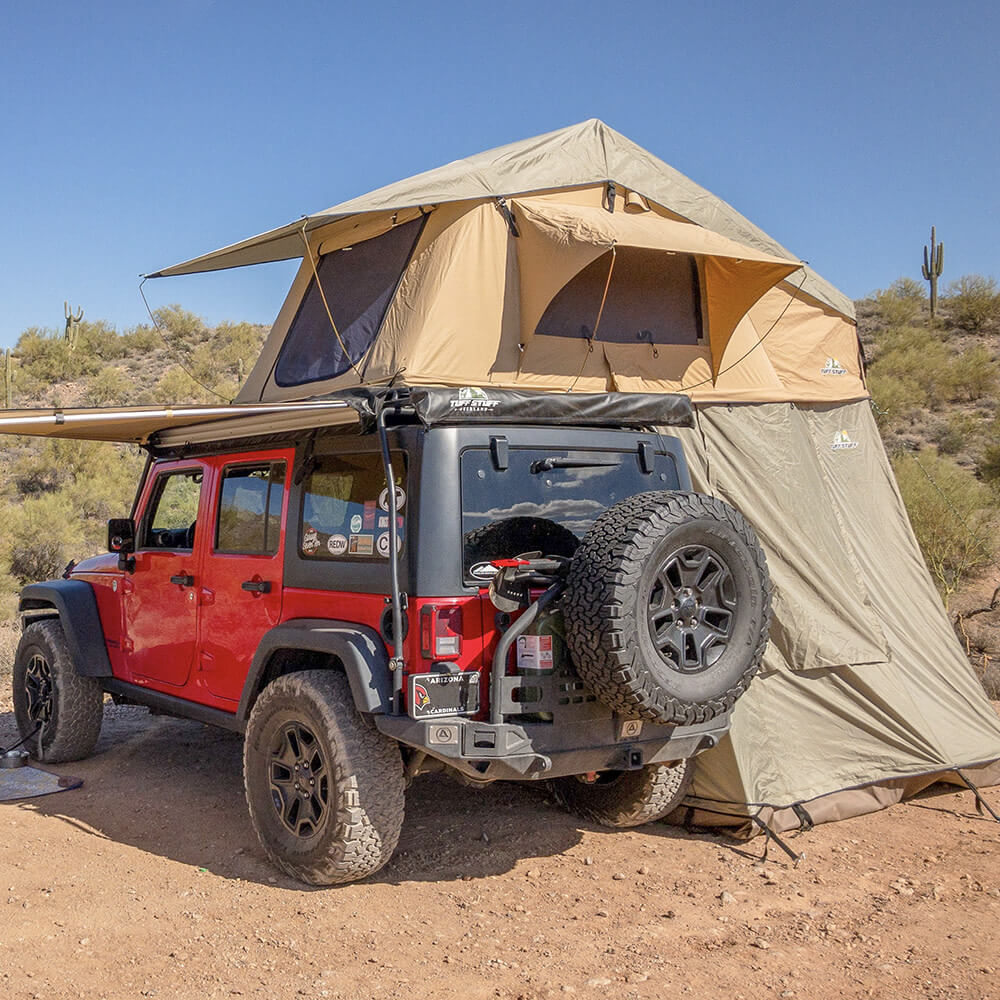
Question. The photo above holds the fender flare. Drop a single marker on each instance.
(74, 604)
(359, 648)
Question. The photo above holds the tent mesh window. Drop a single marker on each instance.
(654, 297)
(359, 283)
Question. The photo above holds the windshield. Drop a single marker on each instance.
(564, 488)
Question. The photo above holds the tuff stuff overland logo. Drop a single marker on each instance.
(473, 400)
(842, 442)
(833, 367)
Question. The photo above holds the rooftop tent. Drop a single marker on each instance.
(433, 280)
(577, 261)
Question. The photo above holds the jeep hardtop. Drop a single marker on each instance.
(503, 585)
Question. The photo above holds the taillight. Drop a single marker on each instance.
(441, 632)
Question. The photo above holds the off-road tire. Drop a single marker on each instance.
(362, 811)
(516, 535)
(608, 598)
(626, 798)
(46, 684)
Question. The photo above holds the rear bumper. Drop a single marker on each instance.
(532, 751)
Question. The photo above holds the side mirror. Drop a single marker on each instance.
(121, 539)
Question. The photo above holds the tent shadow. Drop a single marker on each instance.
(174, 788)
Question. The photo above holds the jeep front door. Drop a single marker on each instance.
(161, 602)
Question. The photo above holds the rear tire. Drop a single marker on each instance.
(58, 712)
(621, 799)
(323, 785)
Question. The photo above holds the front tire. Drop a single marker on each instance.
(620, 799)
(323, 785)
(58, 712)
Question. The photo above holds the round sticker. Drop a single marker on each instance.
(355, 524)
(382, 545)
(336, 545)
(383, 498)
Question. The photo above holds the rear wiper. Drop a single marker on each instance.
(558, 462)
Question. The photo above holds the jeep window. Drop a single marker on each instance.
(250, 502)
(358, 283)
(173, 511)
(569, 487)
(652, 298)
(344, 507)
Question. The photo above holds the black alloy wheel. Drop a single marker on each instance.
(38, 690)
(300, 780)
(690, 608)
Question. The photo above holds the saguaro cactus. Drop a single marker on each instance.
(72, 324)
(8, 379)
(933, 263)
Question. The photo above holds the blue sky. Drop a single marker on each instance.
(134, 136)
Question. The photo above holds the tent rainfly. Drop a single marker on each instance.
(578, 261)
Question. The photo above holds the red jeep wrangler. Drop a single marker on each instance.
(540, 596)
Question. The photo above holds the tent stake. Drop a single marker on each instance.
(770, 835)
(981, 803)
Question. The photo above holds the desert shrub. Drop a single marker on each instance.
(973, 374)
(181, 328)
(41, 536)
(897, 400)
(973, 303)
(104, 489)
(109, 387)
(901, 304)
(176, 386)
(142, 340)
(957, 433)
(953, 516)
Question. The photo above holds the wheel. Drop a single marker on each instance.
(667, 607)
(625, 798)
(58, 712)
(515, 535)
(323, 785)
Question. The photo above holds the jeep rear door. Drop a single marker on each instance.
(240, 585)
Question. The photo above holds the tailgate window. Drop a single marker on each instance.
(568, 488)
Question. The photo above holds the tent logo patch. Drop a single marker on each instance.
(833, 367)
(842, 442)
(473, 400)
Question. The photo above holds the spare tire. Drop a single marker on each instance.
(667, 607)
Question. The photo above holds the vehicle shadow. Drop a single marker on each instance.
(174, 788)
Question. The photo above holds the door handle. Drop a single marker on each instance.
(183, 581)
(257, 586)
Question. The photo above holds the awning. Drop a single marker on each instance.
(138, 424)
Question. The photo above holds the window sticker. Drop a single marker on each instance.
(355, 524)
(383, 498)
(336, 545)
(361, 545)
(310, 540)
(368, 517)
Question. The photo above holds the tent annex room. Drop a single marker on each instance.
(579, 262)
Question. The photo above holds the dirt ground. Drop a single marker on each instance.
(148, 881)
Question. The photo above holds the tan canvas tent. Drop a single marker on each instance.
(577, 261)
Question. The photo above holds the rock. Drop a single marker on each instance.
(726, 898)
(644, 870)
(618, 876)
(602, 913)
(761, 943)
(597, 982)
(588, 861)
(532, 873)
